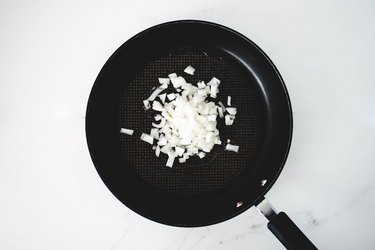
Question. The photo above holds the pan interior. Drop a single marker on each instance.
(220, 167)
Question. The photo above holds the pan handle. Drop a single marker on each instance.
(284, 228)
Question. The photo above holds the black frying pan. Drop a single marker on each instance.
(222, 185)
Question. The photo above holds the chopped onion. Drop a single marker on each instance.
(201, 85)
(189, 70)
(157, 151)
(231, 110)
(164, 86)
(231, 147)
(127, 131)
(179, 151)
(221, 113)
(171, 96)
(201, 154)
(172, 75)
(154, 94)
(161, 124)
(229, 119)
(146, 104)
(162, 97)
(170, 161)
(182, 160)
(155, 133)
(157, 106)
(162, 141)
(214, 82)
(164, 80)
(188, 120)
(147, 138)
(229, 100)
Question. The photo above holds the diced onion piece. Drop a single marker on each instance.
(146, 104)
(222, 106)
(158, 117)
(229, 100)
(230, 147)
(229, 119)
(214, 82)
(179, 151)
(201, 154)
(189, 70)
(201, 85)
(154, 94)
(182, 160)
(157, 151)
(161, 124)
(172, 75)
(157, 106)
(155, 133)
(147, 138)
(162, 141)
(170, 161)
(214, 91)
(221, 113)
(162, 97)
(171, 96)
(164, 86)
(153, 147)
(231, 110)
(178, 81)
(164, 80)
(127, 131)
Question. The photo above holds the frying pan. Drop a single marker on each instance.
(201, 191)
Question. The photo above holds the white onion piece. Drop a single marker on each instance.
(161, 124)
(189, 70)
(178, 81)
(146, 104)
(172, 75)
(221, 113)
(201, 85)
(147, 138)
(157, 151)
(233, 148)
(127, 131)
(162, 141)
(157, 106)
(154, 94)
(164, 86)
(182, 160)
(155, 133)
(222, 106)
(170, 161)
(231, 110)
(179, 151)
(171, 96)
(164, 80)
(201, 154)
(158, 117)
(162, 97)
(214, 82)
(229, 119)
(229, 100)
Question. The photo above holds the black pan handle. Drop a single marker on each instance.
(284, 228)
(288, 233)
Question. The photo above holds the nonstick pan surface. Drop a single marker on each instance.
(199, 192)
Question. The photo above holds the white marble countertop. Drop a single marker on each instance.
(51, 52)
